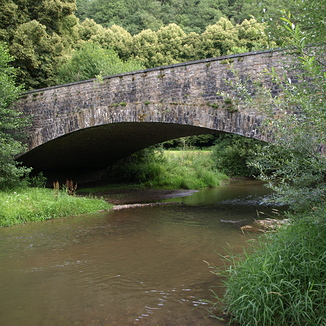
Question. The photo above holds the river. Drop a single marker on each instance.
(138, 266)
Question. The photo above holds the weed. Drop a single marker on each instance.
(99, 78)
(71, 187)
(56, 188)
(228, 61)
(230, 106)
(213, 105)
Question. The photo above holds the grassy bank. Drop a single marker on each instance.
(38, 204)
(172, 170)
(282, 281)
(188, 170)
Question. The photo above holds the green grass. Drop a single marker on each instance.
(188, 170)
(283, 280)
(25, 205)
(171, 170)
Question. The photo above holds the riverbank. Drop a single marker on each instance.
(281, 280)
(152, 176)
(25, 205)
(185, 169)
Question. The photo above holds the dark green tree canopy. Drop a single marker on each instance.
(39, 33)
(43, 34)
(190, 15)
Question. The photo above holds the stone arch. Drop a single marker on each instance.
(80, 124)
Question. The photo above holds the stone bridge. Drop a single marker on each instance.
(89, 124)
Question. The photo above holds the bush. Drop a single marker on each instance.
(232, 155)
(11, 124)
(90, 61)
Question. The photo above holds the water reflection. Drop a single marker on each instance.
(141, 266)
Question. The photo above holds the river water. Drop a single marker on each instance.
(137, 266)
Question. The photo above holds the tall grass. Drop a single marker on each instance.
(172, 169)
(189, 170)
(37, 204)
(283, 281)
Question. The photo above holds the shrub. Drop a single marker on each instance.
(232, 155)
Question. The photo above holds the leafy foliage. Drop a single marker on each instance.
(232, 155)
(282, 281)
(39, 34)
(298, 169)
(44, 35)
(90, 61)
(191, 15)
(174, 170)
(294, 164)
(11, 122)
(205, 141)
(171, 44)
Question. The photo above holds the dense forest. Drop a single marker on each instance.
(190, 15)
(49, 40)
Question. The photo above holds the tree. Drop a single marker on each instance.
(191, 15)
(294, 164)
(145, 46)
(39, 34)
(90, 60)
(36, 53)
(11, 123)
(107, 13)
(279, 279)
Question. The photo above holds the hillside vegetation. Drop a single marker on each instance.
(49, 38)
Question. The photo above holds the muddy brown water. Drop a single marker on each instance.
(137, 266)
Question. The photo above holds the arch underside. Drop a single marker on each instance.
(97, 147)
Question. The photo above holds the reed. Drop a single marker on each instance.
(38, 204)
